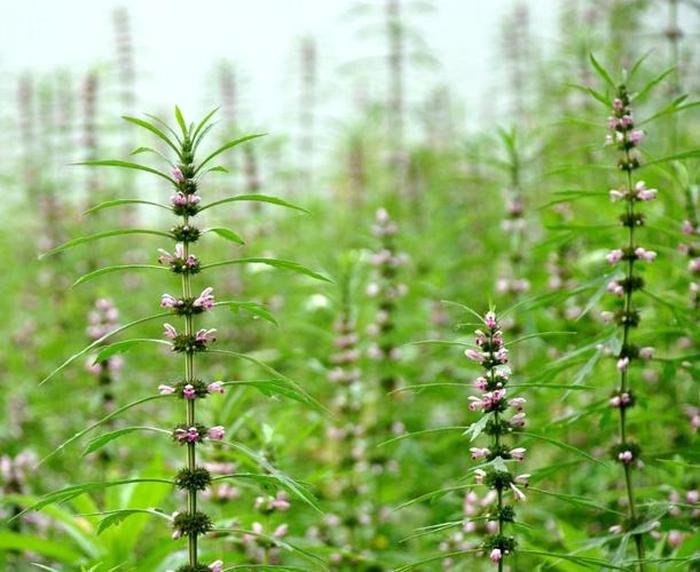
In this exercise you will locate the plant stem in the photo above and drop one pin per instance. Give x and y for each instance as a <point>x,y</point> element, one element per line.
<point>624,374</point>
<point>189,378</point>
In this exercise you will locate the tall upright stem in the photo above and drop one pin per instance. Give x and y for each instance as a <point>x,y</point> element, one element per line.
<point>624,373</point>
<point>189,378</point>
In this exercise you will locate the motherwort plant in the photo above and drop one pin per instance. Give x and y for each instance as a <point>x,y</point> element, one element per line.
<point>632,193</point>
<point>501,416</point>
<point>184,335</point>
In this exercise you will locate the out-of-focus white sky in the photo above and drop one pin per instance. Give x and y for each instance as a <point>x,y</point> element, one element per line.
<point>178,44</point>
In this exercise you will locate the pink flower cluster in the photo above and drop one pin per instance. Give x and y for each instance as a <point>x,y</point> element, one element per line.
<point>103,319</point>
<point>180,199</point>
<point>178,259</point>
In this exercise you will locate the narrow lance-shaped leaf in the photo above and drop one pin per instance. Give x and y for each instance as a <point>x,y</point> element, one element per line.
<point>181,122</point>
<point>125,165</point>
<point>100,422</point>
<point>98,442</point>
<point>203,122</point>
<point>226,147</point>
<point>124,346</point>
<point>275,262</point>
<point>602,72</point>
<point>255,198</point>
<point>257,310</point>
<point>153,129</point>
<point>117,268</point>
<point>120,202</point>
<point>100,235</point>
<point>100,341</point>
<point>226,233</point>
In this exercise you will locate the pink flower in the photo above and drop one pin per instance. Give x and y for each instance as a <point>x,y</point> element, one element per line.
<point>644,194</point>
<point>517,403</point>
<point>205,300</point>
<point>616,288</point>
<point>169,331</point>
<point>280,531</point>
<point>687,227</point>
<point>523,480</point>
<point>502,355</point>
<point>189,392</point>
<point>623,363</point>
<point>478,453</point>
<point>217,566</point>
<point>646,352</point>
<point>618,105</point>
<point>475,355</point>
<point>178,199</point>
<point>479,476</point>
<point>518,420</point>
<point>168,301</point>
<point>517,493</point>
<point>177,174</point>
<point>490,320</point>
<point>694,265</point>
<point>480,383</point>
<point>216,433</point>
<point>518,453</point>
<point>616,195</point>
<point>615,256</point>
<point>166,389</point>
<point>626,457</point>
<point>215,387</point>
<point>281,502</point>
<point>675,538</point>
<point>206,335</point>
<point>692,496</point>
<point>496,555</point>
<point>646,255</point>
<point>636,136</point>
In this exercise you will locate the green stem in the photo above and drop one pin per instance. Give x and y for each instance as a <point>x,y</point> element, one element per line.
<point>624,374</point>
<point>189,378</point>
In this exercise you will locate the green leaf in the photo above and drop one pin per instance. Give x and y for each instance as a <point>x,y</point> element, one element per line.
<point>257,310</point>
<point>153,129</point>
<point>275,262</point>
<point>181,121</point>
<point>99,236</point>
<point>226,147</point>
<point>641,94</point>
<point>99,342</point>
<point>592,92</point>
<point>676,157</point>
<point>602,72</point>
<point>117,268</point>
<point>226,233</point>
<point>126,165</point>
<point>309,400</point>
<point>255,198</point>
<point>69,493</point>
<point>98,442</point>
<point>284,480</point>
<point>202,123</point>
<point>270,387</point>
<point>561,445</point>
<point>124,346</point>
<point>116,517</point>
<point>102,421</point>
<point>119,202</point>
<point>582,560</point>
<point>475,429</point>
<point>420,433</point>
<point>13,541</point>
